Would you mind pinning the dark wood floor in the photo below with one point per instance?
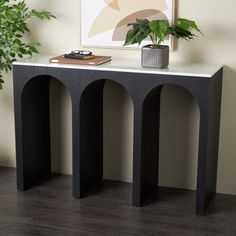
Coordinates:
(49, 209)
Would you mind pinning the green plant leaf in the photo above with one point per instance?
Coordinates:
(14, 18)
(181, 33)
(157, 30)
(160, 29)
(186, 24)
(138, 33)
(42, 14)
(1, 81)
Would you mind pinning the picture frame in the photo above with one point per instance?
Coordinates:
(104, 22)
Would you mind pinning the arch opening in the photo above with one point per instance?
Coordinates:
(177, 146)
(108, 105)
(180, 119)
(43, 129)
(61, 128)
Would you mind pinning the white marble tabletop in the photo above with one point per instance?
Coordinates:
(130, 65)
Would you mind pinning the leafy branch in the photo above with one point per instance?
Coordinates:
(14, 17)
(158, 30)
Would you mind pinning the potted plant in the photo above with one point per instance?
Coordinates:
(14, 16)
(156, 55)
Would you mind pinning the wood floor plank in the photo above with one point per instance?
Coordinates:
(49, 209)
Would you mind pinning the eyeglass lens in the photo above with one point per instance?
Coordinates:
(81, 52)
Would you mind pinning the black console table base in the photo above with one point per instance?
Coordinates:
(32, 121)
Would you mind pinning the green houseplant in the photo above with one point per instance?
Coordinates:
(157, 55)
(14, 17)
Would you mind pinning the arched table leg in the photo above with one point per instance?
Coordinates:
(208, 145)
(88, 168)
(146, 146)
(33, 132)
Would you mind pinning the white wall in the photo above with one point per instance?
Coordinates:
(180, 115)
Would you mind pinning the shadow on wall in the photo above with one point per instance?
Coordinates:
(118, 133)
(61, 128)
(7, 127)
(5, 159)
(179, 133)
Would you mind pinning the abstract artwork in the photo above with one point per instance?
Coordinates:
(104, 22)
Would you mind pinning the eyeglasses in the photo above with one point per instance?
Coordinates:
(81, 52)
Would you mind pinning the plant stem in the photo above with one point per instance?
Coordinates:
(153, 38)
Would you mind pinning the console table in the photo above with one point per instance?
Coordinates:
(85, 85)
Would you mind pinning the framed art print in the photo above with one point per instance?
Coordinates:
(104, 22)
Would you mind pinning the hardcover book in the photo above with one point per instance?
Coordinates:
(96, 60)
